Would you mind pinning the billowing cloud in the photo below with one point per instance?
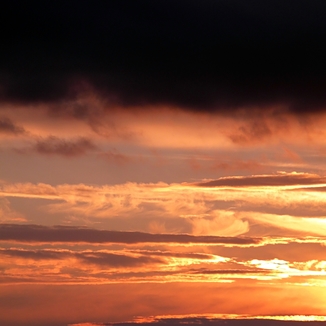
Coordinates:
(229, 206)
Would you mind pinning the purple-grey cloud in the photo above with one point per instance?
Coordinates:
(57, 146)
(38, 233)
(8, 127)
(116, 260)
(89, 257)
(34, 254)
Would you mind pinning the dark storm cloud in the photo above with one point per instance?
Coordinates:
(203, 55)
(8, 127)
(265, 180)
(54, 145)
(38, 233)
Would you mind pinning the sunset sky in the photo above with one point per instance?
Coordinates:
(163, 162)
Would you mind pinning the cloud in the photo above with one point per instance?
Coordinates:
(89, 257)
(228, 271)
(175, 254)
(38, 233)
(8, 127)
(228, 206)
(266, 180)
(34, 254)
(7, 214)
(57, 146)
(115, 156)
(227, 225)
(217, 320)
(303, 225)
(208, 56)
(314, 189)
(116, 260)
(247, 134)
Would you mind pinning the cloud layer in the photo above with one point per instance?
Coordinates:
(162, 158)
(215, 57)
(37, 233)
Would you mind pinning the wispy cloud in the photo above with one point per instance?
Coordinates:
(9, 127)
(69, 148)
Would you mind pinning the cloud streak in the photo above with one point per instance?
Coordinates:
(38, 233)
(294, 179)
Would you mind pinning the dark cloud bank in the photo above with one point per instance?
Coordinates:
(201, 55)
(38, 233)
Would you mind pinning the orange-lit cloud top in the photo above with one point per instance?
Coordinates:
(290, 203)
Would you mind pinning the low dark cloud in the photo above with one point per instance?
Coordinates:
(116, 260)
(175, 254)
(89, 257)
(211, 56)
(265, 180)
(58, 146)
(34, 254)
(8, 127)
(211, 321)
(38, 233)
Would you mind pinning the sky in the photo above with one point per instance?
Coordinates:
(163, 163)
